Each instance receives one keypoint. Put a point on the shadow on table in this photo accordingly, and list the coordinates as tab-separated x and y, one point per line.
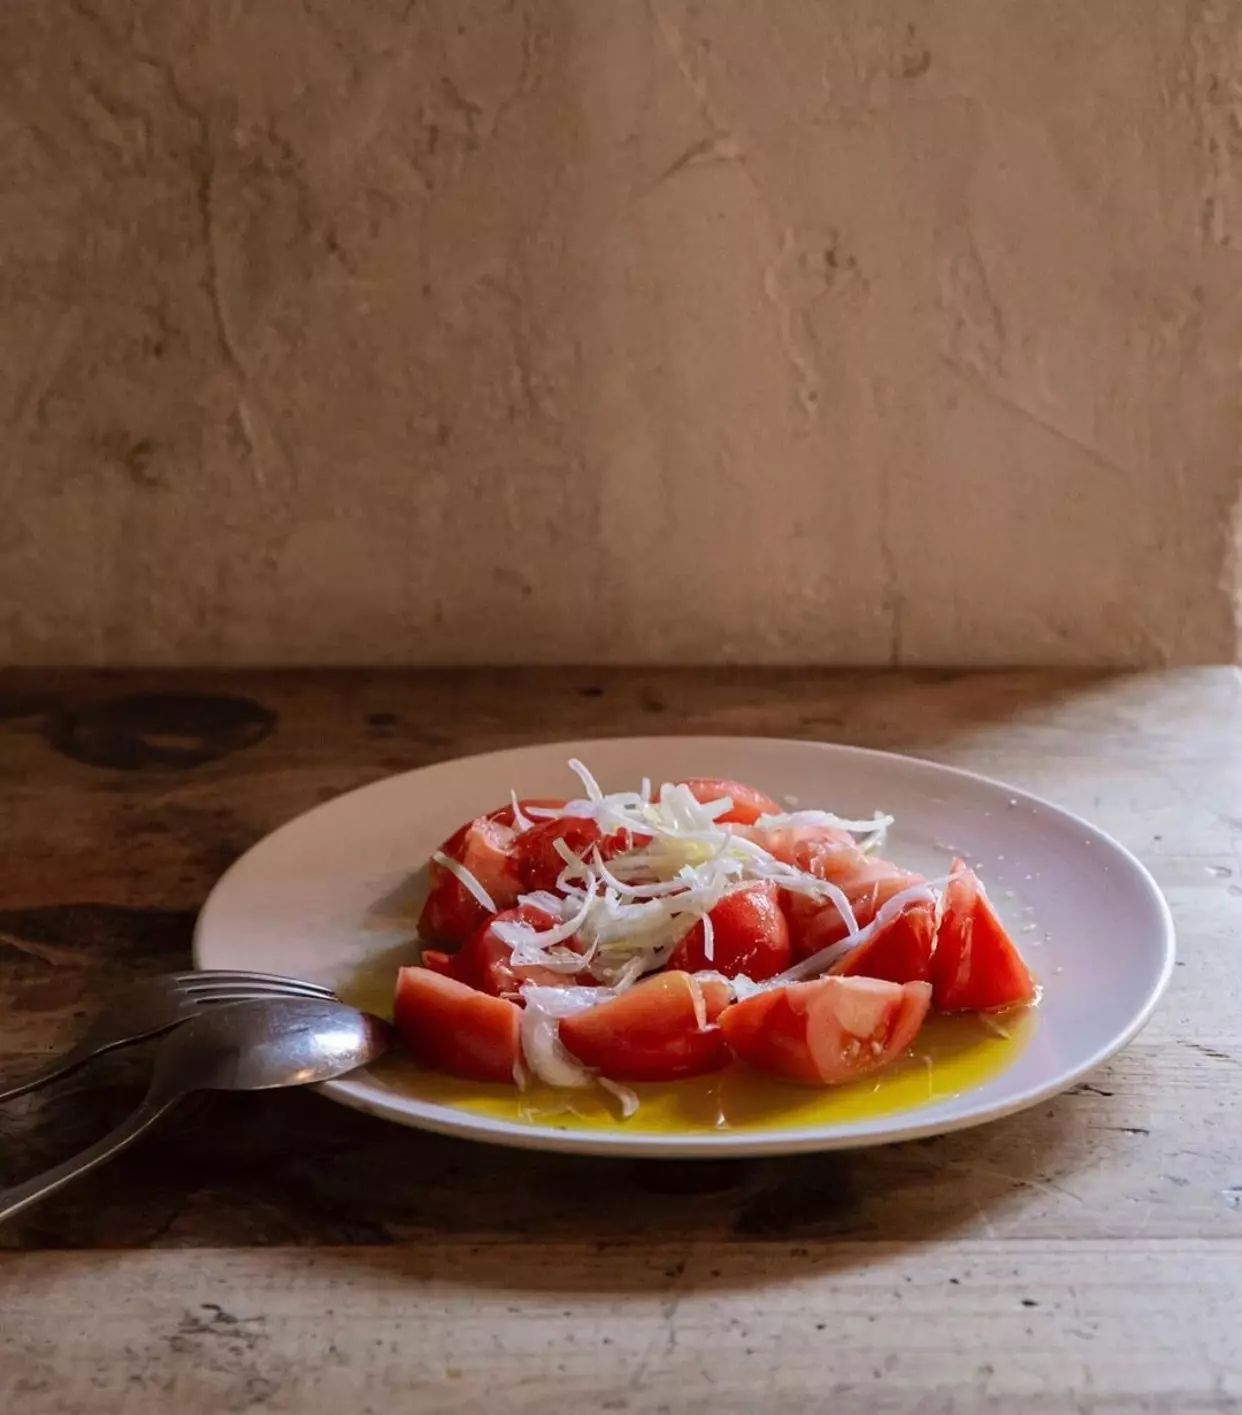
279	1170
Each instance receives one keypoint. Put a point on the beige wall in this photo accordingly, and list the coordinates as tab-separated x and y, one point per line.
341	330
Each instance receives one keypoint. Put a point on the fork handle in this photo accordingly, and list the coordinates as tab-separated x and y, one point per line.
21	1196
62	1066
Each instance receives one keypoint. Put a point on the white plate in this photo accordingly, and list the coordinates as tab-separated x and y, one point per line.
341	884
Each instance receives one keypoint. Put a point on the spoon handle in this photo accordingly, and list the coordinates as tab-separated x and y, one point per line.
21	1196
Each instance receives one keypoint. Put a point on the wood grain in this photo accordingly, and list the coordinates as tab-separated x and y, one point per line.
278	1253
690	1326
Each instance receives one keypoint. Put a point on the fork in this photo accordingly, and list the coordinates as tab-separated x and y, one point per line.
154	1005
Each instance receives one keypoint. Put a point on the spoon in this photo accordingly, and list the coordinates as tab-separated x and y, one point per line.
247	1046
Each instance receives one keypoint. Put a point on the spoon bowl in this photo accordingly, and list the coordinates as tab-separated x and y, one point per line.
262	1045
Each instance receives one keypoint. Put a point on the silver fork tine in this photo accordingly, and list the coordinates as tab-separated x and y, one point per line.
257	990
222	975
240	994
244	980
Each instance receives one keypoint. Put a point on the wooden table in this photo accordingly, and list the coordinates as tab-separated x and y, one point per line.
278	1253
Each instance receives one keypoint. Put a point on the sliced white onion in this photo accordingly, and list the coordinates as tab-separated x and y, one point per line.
820	962
519	820
699	1003
631	911
564	1002
515	934
589	783
560	960
766	866
926	891
468	881
545	1054
562	848
544	899
539	1032
637	891
627	1097
744	987
628	974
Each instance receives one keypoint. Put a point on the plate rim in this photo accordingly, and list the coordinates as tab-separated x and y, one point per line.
888	1129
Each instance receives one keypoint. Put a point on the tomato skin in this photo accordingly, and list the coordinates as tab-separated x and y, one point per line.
538	861
485	845
452	1028
451	913
976	967
651	1032
485	962
749	936
826	1031
867	884
832	855
748	804
900	951
820	850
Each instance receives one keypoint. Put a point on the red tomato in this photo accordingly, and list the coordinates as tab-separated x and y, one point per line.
539	863
748	804
976	967
451	913
452	1028
485	962
900	951
437	962
749	935
804	916
651	1032
831	855
867	884
826	1031
817	849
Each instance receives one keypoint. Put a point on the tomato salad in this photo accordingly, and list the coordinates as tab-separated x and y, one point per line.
651	936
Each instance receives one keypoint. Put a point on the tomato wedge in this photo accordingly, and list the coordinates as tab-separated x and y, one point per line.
451	1027
652	1032
900	950
817	849
749	935
833	855
827	1031
748	804
867	884
485	961
539	863
976	967
435	960
485	847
